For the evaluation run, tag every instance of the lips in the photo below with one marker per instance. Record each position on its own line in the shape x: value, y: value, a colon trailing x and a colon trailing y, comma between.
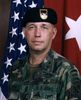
x: 37, y: 42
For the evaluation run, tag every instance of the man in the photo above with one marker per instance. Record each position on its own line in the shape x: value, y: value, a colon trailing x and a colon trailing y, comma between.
x: 43, y: 74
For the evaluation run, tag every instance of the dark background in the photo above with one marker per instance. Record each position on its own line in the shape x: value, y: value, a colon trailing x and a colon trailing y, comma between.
x: 5, y: 6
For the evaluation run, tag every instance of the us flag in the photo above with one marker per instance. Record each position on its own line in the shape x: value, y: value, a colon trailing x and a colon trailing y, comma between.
x: 16, y: 46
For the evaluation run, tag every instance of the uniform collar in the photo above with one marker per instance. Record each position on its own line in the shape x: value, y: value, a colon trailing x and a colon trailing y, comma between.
x: 48, y: 64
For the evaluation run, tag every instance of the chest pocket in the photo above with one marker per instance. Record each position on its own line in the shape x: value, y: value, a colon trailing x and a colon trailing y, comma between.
x: 43, y: 92
x: 38, y: 92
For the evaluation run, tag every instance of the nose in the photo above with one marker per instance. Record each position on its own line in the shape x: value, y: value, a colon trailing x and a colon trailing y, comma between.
x: 38, y: 32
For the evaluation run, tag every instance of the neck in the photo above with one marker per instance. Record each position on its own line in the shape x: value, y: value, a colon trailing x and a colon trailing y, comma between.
x: 37, y: 57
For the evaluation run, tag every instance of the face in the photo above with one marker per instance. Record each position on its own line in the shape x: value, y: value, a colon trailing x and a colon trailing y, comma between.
x: 39, y: 35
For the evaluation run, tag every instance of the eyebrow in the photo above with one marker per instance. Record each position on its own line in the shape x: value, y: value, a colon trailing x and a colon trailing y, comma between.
x: 44, y: 24
x: 30, y: 25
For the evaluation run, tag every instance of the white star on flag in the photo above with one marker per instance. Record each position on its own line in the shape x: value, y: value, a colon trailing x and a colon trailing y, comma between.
x: 11, y: 47
x: 25, y: 3
x: 16, y: 45
x: 5, y: 78
x: 15, y: 16
x: 13, y: 32
x: 8, y: 62
x: 75, y: 30
x: 33, y: 5
x: 17, y: 2
x: 22, y: 48
x: 22, y: 34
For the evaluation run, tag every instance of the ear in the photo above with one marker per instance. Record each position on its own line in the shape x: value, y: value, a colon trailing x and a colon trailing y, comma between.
x: 23, y: 30
x: 54, y: 32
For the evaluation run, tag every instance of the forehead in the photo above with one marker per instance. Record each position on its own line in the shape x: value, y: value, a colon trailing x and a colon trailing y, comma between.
x: 39, y: 23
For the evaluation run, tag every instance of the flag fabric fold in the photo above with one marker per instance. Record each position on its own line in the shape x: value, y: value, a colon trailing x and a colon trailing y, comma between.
x: 68, y: 39
x: 16, y: 45
x: 72, y: 26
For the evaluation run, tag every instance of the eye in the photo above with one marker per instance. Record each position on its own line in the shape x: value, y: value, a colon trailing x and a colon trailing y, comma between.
x: 31, y: 27
x: 44, y: 27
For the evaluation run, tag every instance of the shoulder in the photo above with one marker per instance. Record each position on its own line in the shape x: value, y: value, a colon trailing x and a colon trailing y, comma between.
x: 19, y: 63
x: 69, y: 73
x: 18, y: 70
x: 61, y: 60
x: 64, y: 65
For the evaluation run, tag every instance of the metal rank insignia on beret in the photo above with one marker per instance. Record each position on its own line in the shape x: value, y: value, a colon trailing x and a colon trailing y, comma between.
x: 43, y: 14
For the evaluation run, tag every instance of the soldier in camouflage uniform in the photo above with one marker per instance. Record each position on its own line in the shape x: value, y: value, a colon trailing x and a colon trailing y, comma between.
x: 43, y: 74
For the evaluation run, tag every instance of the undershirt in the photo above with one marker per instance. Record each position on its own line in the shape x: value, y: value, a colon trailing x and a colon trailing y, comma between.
x: 32, y: 67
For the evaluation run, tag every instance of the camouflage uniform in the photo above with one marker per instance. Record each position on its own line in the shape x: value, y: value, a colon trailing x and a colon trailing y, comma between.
x: 55, y: 78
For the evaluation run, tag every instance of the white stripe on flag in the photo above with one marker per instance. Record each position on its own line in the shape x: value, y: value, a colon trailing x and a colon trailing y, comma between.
x: 2, y: 97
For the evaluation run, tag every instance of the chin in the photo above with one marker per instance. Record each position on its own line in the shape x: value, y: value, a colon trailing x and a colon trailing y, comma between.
x: 37, y: 49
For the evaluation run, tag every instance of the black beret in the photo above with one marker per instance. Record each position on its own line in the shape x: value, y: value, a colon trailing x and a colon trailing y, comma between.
x: 40, y: 15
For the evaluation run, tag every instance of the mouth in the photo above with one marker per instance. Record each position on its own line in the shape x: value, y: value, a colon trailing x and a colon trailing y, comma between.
x: 37, y: 42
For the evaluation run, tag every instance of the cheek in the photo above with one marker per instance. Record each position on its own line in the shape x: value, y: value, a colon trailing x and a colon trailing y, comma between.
x: 48, y: 39
x: 49, y: 36
x: 27, y: 36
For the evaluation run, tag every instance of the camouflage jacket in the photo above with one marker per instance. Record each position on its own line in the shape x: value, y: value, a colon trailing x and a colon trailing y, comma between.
x: 56, y: 78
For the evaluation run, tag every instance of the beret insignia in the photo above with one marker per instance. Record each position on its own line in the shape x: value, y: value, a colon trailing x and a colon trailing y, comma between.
x: 43, y: 14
